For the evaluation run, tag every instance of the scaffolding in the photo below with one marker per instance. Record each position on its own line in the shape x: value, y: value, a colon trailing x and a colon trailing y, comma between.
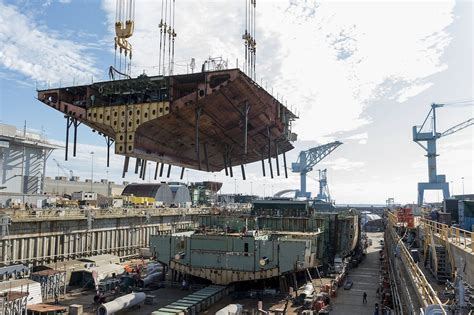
x: 13, y: 303
x: 53, y: 283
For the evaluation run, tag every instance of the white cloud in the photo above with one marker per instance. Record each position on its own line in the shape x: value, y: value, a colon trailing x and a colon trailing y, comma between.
x: 361, y: 138
x: 343, y: 164
x: 412, y: 90
x: 38, y: 53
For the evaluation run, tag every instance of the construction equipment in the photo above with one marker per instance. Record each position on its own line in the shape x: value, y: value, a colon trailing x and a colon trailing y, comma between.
x: 307, y: 160
x: 435, y: 181
x: 323, y: 194
x: 69, y: 173
x: 124, y: 27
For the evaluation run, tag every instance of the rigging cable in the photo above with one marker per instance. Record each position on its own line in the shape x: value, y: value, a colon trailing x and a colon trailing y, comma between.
x: 161, y: 37
x: 173, y: 35
x: 164, y: 36
x: 169, y: 42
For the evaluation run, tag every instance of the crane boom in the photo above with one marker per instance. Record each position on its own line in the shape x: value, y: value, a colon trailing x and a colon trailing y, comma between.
x: 69, y: 174
x: 458, y: 127
x: 307, y: 160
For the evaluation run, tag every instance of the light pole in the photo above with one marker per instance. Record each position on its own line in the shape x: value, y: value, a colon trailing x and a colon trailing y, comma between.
x: 462, y: 185
x: 92, y: 169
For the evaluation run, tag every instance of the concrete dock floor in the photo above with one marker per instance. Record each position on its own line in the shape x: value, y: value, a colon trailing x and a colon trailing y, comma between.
x: 366, y: 278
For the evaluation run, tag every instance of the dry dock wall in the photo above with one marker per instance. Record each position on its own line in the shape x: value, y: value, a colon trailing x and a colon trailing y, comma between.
x: 45, y: 239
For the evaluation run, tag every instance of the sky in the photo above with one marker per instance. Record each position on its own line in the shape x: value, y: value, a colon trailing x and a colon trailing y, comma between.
x: 362, y: 73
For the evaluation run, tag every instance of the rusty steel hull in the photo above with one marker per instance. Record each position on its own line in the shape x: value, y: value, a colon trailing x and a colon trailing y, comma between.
x: 233, y: 120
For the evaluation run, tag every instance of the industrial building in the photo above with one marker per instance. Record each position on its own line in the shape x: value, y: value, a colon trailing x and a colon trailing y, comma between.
x: 23, y: 156
x: 62, y: 185
x: 172, y: 193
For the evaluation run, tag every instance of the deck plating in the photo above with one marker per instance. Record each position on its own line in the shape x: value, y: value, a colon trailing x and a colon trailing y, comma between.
x: 208, y: 121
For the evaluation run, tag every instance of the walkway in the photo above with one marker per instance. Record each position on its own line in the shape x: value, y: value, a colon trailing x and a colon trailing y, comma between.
x: 366, y: 278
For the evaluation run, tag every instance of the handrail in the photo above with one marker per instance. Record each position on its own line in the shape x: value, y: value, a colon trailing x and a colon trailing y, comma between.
x: 449, y: 235
x: 428, y: 294
x: 452, y: 234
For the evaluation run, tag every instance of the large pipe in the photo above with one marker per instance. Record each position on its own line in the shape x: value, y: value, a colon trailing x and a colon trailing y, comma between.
x: 149, y: 279
x: 121, y: 303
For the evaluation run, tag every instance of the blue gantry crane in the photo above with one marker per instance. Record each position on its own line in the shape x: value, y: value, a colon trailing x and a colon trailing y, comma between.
x: 435, y: 180
x: 323, y: 193
x: 307, y: 160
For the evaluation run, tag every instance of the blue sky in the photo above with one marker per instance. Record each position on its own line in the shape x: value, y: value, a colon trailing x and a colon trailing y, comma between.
x: 359, y: 72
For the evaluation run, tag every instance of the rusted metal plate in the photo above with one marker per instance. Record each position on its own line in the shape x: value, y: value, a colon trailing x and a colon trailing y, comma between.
x: 162, y: 118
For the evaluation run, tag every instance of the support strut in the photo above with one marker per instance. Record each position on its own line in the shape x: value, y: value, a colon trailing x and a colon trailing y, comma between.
x: 246, y: 125
x: 144, y: 163
x: 284, y: 164
x: 263, y: 165
x: 156, y: 169
x: 182, y: 173
x: 205, y: 156
x: 270, y: 151
x: 137, y: 165
x: 162, y: 166
x: 76, y: 124
x: 276, y: 158
x: 169, y: 171
x: 69, y: 122
x: 242, y: 167
x: 196, y: 145
x: 225, y: 164
x: 109, y: 141
x: 125, y: 166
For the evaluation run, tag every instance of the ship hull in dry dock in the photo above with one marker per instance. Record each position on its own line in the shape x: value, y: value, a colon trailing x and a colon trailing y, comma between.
x: 234, y: 249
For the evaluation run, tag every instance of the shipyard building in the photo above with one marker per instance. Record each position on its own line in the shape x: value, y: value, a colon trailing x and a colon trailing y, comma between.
x: 23, y: 156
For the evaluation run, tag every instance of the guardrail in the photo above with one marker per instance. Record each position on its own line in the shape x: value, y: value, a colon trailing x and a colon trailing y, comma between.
x: 457, y: 236
x: 427, y: 293
x: 98, y: 213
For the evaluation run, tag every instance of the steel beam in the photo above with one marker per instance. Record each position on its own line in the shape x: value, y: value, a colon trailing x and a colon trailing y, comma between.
x: 205, y: 156
x: 125, y: 166
x: 69, y: 122
x: 196, y: 144
x: 246, y: 125
x: 137, y: 165
x: 156, y: 169
x: 225, y: 164
x: 161, y: 168
x: 276, y: 158
x: 242, y: 167
x: 76, y: 124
